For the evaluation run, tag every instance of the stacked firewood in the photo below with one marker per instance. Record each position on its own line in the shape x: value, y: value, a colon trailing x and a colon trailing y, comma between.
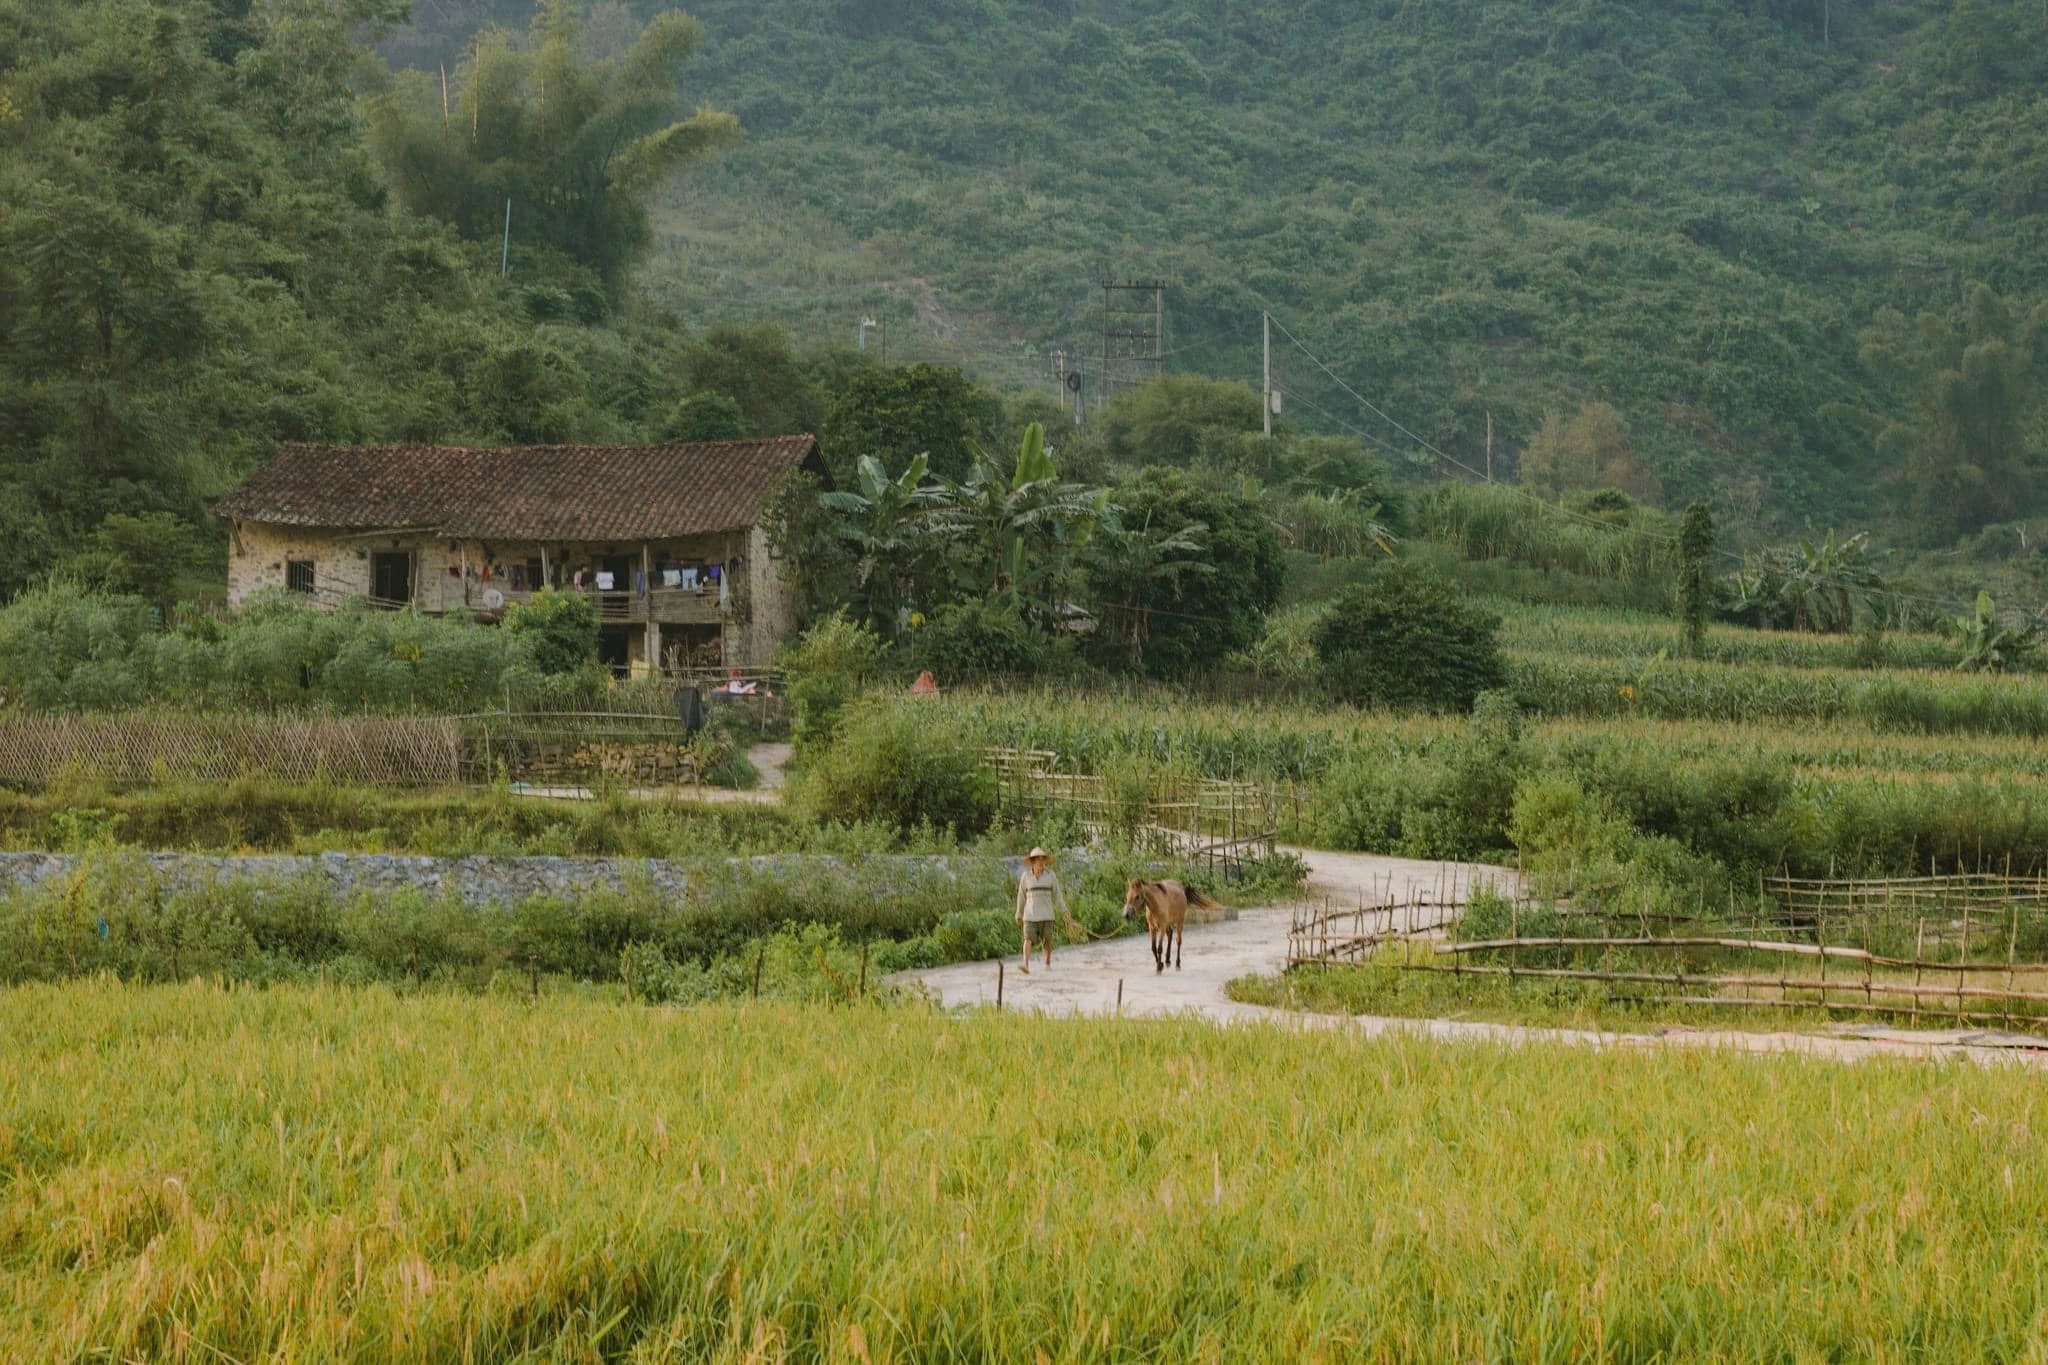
x: 645, y: 762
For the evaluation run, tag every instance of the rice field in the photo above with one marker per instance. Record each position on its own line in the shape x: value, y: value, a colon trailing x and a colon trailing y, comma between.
x: 196, y: 1174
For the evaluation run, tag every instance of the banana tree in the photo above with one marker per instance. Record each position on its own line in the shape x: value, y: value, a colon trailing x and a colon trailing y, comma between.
x: 1818, y: 586
x: 889, y: 526
x: 1020, y: 528
x: 1991, y: 646
x: 1149, y: 564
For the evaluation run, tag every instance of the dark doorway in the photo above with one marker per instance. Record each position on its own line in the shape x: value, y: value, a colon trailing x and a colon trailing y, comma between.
x: 391, y: 576
x: 615, y: 648
x: 617, y: 605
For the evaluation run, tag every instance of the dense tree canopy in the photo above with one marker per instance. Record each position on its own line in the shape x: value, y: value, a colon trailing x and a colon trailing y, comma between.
x: 1406, y: 638
x: 1724, y: 243
x: 895, y: 414
x: 1684, y: 210
x: 199, y: 259
x: 535, y: 130
x: 1968, y: 449
x: 1190, y: 577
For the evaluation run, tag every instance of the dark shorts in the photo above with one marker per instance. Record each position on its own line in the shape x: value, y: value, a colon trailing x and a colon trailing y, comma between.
x: 1038, y: 931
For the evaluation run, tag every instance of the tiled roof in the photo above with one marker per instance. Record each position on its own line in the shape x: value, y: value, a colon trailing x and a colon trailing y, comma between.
x: 522, y: 492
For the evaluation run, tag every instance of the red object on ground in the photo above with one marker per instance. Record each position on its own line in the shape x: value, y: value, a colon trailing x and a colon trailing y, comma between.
x: 925, y: 686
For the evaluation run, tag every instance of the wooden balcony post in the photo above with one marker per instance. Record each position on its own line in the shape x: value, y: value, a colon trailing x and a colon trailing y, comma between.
x: 651, y: 643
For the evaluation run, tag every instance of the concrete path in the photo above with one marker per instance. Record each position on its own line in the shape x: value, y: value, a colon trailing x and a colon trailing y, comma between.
x: 1086, y: 978
x: 770, y: 760
x: 1117, y: 975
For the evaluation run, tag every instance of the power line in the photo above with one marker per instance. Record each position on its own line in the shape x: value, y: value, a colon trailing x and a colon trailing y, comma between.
x: 1888, y: 594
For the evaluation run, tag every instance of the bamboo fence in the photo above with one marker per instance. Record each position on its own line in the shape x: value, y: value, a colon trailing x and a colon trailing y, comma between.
x: 155, y: 748
x: 1216, y: 822
x: 1976, y: 957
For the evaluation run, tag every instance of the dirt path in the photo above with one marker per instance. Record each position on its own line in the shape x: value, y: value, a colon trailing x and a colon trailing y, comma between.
x: 770, y: 760
x: 1117, y: 976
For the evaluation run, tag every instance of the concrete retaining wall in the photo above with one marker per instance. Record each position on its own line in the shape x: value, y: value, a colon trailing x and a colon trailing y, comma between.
x: 477, y: 881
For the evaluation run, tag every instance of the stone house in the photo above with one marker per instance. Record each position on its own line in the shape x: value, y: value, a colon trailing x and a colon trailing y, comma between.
x: 665, y: 540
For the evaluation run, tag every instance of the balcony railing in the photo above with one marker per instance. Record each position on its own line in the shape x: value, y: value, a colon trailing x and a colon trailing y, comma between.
x: 664, y: 606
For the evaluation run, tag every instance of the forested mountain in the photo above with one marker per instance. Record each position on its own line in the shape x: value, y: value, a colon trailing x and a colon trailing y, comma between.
x: 1691, y: 210
x: 1693, y: 247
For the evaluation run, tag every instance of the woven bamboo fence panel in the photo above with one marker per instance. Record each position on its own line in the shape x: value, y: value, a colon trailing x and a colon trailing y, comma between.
x: 401, y: 751
x: 1968, y: 950
x: 1201, y: 820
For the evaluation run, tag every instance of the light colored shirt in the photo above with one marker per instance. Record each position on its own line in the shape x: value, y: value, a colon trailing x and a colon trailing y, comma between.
x: 1037, y: 894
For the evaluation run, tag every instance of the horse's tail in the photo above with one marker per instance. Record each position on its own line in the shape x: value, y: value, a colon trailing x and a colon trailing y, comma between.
x: 1202, y: 902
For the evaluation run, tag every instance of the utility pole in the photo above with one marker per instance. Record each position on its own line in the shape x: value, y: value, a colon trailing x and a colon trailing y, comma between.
x: 1266, y: 388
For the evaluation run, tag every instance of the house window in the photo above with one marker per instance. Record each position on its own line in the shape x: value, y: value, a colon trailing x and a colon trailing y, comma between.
x: 298, y: 575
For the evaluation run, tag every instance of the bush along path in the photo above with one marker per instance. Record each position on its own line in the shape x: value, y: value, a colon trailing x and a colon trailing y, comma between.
x: 1117, y: 977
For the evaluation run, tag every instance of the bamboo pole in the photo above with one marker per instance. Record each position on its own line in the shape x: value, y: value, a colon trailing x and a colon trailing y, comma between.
x: 1678, y: 977
x: 1817, y: 951
x: 1962, y: 959
x: 2012, y: 943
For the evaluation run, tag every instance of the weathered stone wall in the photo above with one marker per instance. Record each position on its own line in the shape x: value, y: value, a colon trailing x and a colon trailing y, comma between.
x: 257, y: 555
x: 774, y: 617
x: 476, y: 881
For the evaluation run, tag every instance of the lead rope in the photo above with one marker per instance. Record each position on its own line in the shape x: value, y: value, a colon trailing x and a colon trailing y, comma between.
x: 1086, y: 933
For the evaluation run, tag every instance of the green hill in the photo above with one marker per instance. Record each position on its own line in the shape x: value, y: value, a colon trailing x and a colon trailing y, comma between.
x: 1687, y: 209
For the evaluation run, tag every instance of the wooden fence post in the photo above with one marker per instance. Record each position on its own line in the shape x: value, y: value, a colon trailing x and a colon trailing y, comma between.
x: 1962, y: 956
x: 1919, y: 942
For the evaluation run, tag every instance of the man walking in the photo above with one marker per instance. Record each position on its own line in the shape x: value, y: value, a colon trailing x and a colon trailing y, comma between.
x: 1039, y: 898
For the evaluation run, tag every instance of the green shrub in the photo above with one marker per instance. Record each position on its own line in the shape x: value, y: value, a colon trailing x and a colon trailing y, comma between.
x: 979, y: 639
x: 559, y: 630
x: 1286, y: 648
x: 891, y: 765
x: 1405, y: 638
x: 826, y: 669
x: 975, y: 936
x: 1560, y: 829
x: 66, y: 650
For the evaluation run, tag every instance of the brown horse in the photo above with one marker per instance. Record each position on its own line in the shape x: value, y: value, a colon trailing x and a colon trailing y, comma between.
x: 1166, y: 916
